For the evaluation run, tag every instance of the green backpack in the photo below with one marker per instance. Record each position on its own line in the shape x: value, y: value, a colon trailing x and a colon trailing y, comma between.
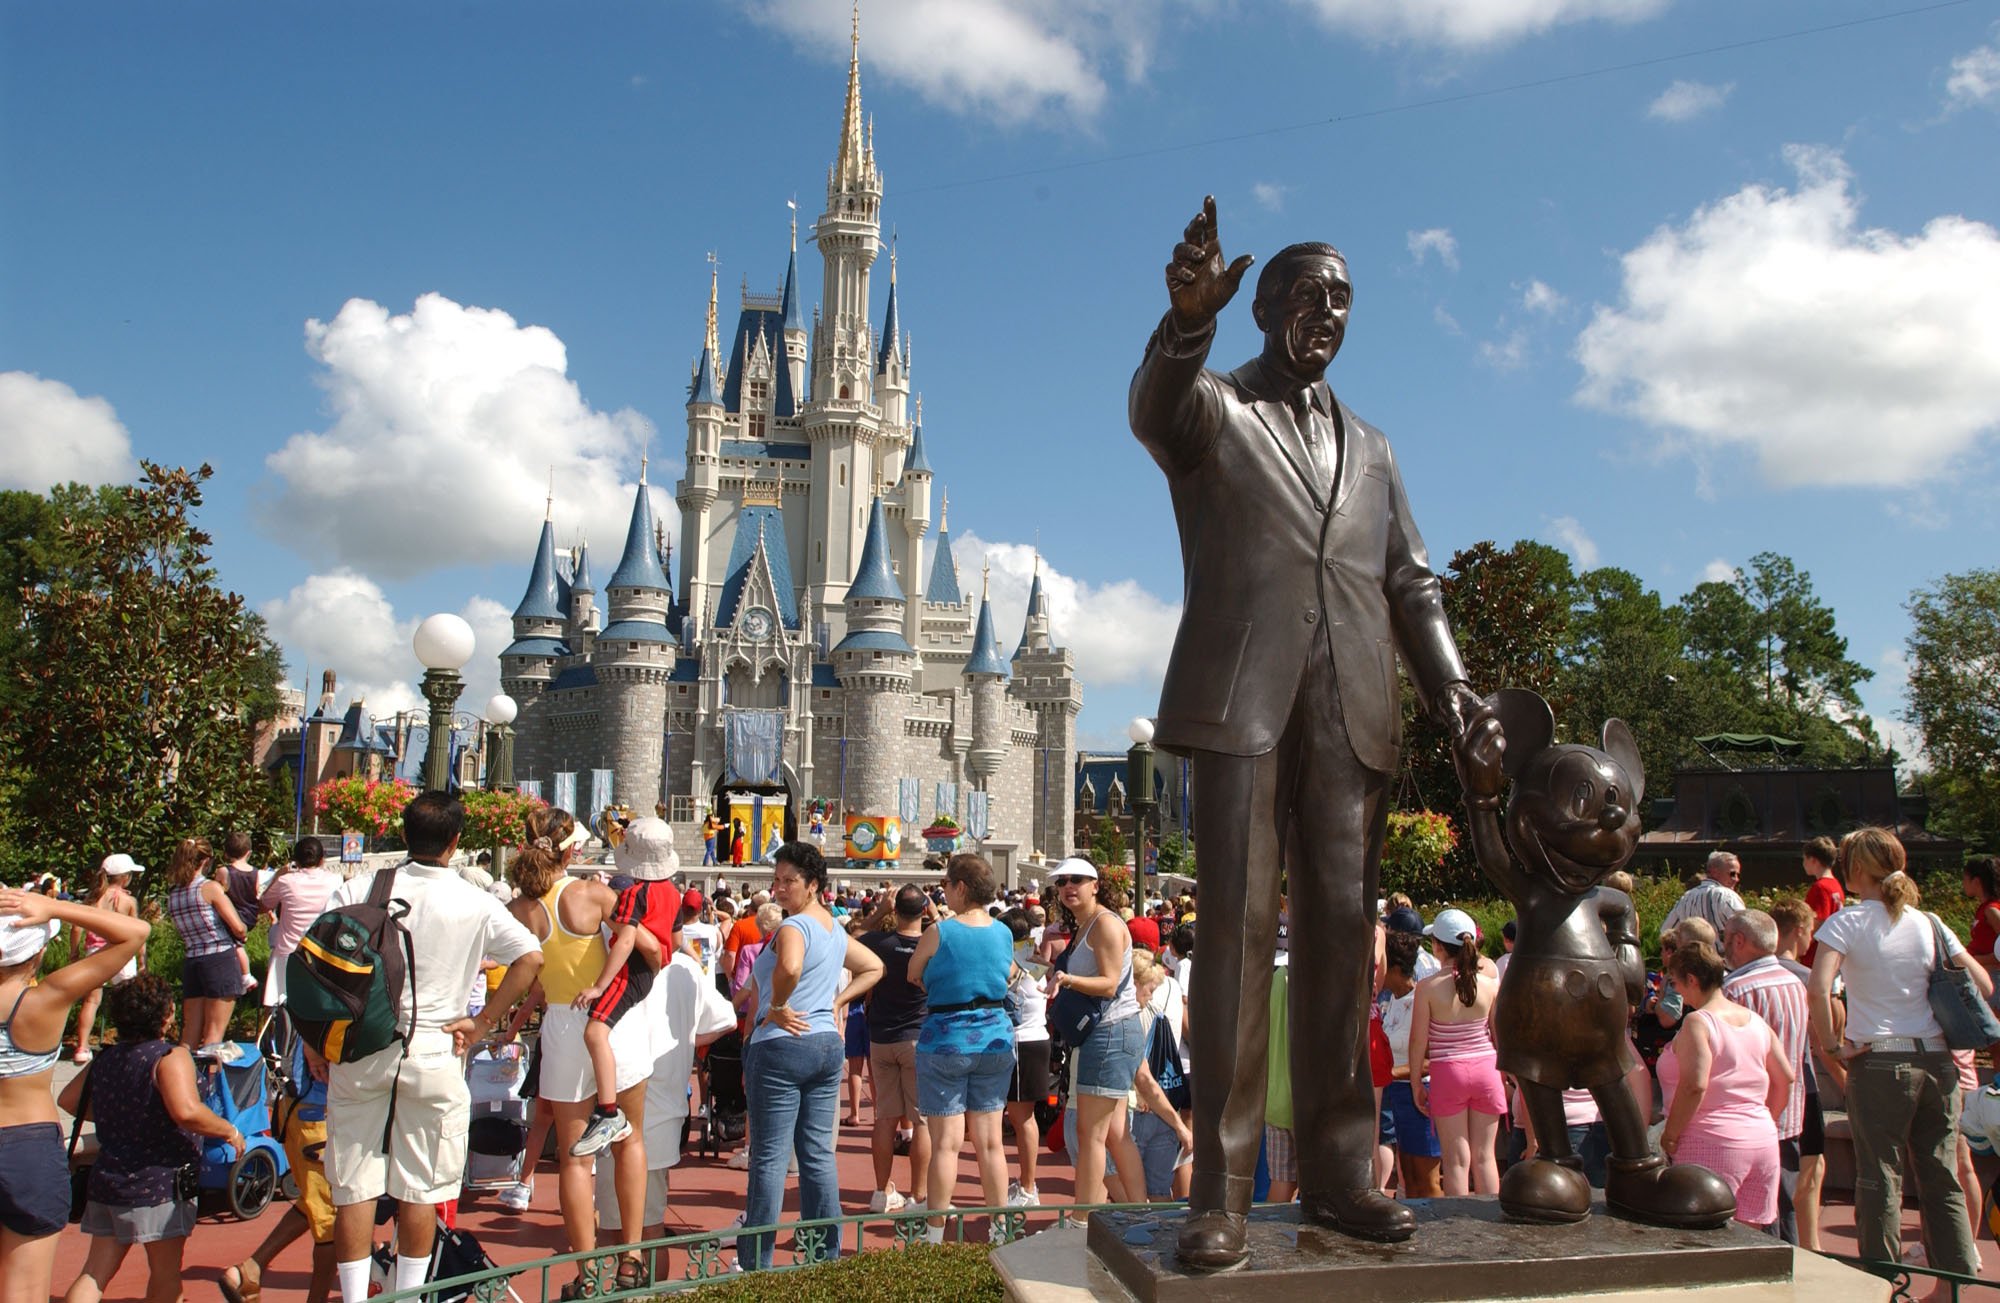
x: 345, y: 984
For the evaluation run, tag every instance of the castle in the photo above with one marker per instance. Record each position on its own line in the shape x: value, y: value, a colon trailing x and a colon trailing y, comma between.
x: 808, y: 657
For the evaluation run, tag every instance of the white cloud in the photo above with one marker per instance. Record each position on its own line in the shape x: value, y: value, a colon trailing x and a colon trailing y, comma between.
x: 1269, y: 195
x: 1539, y: 297
x: 50, y: 434
x: 1445, y: 319
x: 1469, y: 24
x: 1685, y: 100
x: 1775, y: 323
x: 1718, y: 571
x: 1569, y: 532
x: 1435, y: 240
x: 1119, y: 632
x: 1508, y: 353
x: 446, y: 422
x: 1975, y: 78
x: 342, y: 621
x: 1008, y: 60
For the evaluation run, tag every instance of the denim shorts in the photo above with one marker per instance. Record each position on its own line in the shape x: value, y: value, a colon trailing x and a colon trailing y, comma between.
x: 1414, y: 1136
x: 34, y: 1179
x: 1159, y: 1153
x: 1109, y: 1060
x: 951, y: 1084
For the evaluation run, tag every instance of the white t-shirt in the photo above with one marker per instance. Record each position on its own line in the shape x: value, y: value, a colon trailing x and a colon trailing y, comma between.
x: 1183, y: 971
x: 706, y: 938
x: 1887, y: 966
x: 1398, y: 1015
x: 1427, y: 963
x: 1170, y: 1001
x: 453, y: 925
x: 686, y: 1007
x: 1034, y: 1024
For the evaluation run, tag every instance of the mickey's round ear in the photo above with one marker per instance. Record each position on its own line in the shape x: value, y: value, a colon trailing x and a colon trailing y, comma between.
x: 1620, y: 745
x: 1526, y: 722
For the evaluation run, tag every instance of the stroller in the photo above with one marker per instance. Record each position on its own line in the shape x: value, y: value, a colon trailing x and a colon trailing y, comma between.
x: 725, y: 1114
x: 453, y: 1253
x: 235, y: 1085
x: 497, y: 1137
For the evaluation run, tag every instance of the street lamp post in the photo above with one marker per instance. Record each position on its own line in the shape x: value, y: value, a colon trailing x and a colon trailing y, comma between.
x: 1139, y: 788
x: 500, y: 713
x: 443, y: 644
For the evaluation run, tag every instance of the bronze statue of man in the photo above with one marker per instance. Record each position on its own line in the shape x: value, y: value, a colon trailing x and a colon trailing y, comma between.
x: 1304, y: 580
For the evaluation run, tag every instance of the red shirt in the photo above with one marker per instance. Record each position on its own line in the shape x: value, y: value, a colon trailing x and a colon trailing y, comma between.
x: 1145, y: 932
x: 1824, y: 898
x: 1381, y: 1057
x: 653, y: 905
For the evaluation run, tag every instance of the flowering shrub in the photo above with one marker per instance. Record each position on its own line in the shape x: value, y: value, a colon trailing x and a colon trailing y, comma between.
x: 364, y: 805
x: 496, y: 819
x: 1413, y: 853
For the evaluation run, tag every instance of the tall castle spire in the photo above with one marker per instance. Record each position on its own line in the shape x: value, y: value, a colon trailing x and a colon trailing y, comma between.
x: 853, y: 163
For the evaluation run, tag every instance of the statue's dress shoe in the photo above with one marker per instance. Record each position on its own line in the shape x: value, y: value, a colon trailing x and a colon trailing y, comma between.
x: 1680, y: 1195
x: 1540, y: 1190
x: 1213, y: 1241
x: 1365, y: 1214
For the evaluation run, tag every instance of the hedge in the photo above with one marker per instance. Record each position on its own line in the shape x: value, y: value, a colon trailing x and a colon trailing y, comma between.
x: 920, y: 1273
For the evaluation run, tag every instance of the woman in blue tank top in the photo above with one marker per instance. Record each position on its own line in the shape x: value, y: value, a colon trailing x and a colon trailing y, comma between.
x: 793, y: 1060
x: 965, y: 1052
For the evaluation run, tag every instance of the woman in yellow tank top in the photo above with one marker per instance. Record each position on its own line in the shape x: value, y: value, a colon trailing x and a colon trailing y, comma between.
x: 569, y: 915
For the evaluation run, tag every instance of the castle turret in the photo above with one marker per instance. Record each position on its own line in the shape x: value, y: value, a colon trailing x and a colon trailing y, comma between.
x: 634, y: 655
x: 892, y: 373
x: 986, y: 680
x: 874, y: 663
x: 797, y: 354
x: 1045, y: 682
x: 702, y: 484
x: 527, y: 664
x: 583, y: 619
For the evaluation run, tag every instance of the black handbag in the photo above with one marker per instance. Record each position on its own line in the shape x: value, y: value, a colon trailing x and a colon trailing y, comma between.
x: 1967, y: 1021
x: 1073, y: 1016
x: 79, y: 1177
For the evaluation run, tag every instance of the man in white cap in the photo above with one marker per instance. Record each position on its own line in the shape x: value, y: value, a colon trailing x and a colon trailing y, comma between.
x: 683, y: 1010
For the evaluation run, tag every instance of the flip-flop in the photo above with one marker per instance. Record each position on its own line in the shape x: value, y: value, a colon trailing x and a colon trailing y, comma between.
x: 243, y: 1291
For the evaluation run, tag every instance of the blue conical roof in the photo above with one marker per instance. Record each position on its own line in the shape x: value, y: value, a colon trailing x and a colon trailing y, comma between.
x: 543, y: 600
x: 1034, y: 602
x: 789, y: 307
x: 944, y: 574
x: 580, y: 581
x: 892, y: 338
x: 916, y: 460
x: 639, y: 567
x: 985, y: 646
x: 874, y: 577
x: 703, y: 388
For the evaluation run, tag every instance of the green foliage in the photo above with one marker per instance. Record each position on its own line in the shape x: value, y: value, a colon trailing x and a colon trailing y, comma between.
x: 1415, y: 851
x: 1176, y: 854
x: 496, y: 819
x: 1107, y: 843
x: 921, y: 1273
x: 135, y: 684
x: 368, y: 805
x: 1954, y: 700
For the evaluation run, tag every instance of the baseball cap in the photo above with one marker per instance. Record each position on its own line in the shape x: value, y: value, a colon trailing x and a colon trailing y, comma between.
x: 692, y: 899
x: 1450, y: 925
x: 23, y: 941
x: 1404, y: 919
x: 118, y: 865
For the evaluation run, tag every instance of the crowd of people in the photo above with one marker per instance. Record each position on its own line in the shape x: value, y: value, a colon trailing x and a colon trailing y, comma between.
x: 963, y: 1012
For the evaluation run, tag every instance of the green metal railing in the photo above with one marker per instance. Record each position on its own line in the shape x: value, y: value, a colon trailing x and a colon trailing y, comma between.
x: 1903, y: 1276
x: 705, y: 1259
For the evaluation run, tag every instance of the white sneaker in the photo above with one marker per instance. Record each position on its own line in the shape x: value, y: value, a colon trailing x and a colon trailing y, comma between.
x: 517, y: 1197
x: 603, y: 1131
x: 933, y: 1234
x: 740, y: 1160
x: 915, y: 1206
x: 1018, y: 1197
x: 886, y: 1201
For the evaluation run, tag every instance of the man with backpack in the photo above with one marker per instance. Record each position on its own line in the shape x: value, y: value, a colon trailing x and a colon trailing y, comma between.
x: 396, y: 1117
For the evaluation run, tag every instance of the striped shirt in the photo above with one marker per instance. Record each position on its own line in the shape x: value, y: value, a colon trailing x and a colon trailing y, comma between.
x: 1765, y: 987
x: 1707, y: 899
x: 198, y: 922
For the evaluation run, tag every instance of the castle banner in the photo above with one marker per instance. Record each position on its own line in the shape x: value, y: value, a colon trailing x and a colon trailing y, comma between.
x: 753, y: 747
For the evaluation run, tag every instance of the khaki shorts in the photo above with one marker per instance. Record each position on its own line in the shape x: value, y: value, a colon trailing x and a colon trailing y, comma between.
x: 305, y: 1147
x: 425, y: 1158
x: 895, y: 1066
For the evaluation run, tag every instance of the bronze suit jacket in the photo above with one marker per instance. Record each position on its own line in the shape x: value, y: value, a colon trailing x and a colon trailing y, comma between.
x: 1271, y: 560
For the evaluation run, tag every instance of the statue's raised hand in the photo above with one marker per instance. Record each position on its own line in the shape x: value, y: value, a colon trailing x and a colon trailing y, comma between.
x: 1199, y: 282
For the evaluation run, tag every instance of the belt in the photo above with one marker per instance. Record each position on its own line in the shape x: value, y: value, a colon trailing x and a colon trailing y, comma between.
x: 1906, y: 1045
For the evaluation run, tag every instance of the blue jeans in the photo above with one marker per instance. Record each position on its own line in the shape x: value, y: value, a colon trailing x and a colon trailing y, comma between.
x: 793, y: 1083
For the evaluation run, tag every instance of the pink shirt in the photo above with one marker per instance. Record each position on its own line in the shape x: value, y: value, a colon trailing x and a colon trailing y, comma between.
x: 297, y: 897
x: 1733, y: 1110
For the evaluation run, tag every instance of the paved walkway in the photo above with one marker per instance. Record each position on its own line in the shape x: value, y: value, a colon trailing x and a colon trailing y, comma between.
x: 706, y: 1196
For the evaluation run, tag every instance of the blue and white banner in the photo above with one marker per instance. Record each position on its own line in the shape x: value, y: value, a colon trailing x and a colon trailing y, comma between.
x: 530, y: 787
x: 947, y: 799
x: 600, y: 789
x: 910, y: 800
x: 565, y: 797
x: 753, y: 747
x: 976, y: 814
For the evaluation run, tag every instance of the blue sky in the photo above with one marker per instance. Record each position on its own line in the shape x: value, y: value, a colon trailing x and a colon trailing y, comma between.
x: 382, y: 265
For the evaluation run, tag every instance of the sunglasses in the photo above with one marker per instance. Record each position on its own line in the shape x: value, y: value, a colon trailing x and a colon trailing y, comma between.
x: 1068, y: 882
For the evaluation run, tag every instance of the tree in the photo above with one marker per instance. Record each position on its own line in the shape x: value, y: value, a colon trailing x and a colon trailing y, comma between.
x: 1176, y: 854
x: 1107, y: 843
x: 135, y: 695
x: 1954, y: 699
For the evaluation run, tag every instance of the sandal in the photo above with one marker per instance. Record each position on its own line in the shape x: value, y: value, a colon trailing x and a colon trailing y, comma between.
x: 576, y: 1289
x: 249, y: 1283
x: 632, y: 1272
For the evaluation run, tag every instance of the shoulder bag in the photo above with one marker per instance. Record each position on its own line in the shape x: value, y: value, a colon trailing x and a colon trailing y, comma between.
x: 1072, y: 1015
x: 1962, y: 1013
